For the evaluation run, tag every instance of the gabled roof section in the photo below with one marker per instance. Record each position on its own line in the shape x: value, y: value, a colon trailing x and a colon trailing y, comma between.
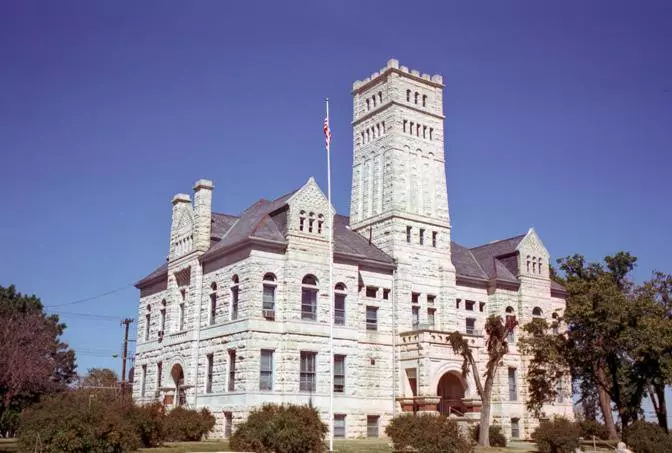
x: 221, y: 223
x: 465, y: 263
x: 354, y: 244
x: 487, y: 256
x: 159, y: 272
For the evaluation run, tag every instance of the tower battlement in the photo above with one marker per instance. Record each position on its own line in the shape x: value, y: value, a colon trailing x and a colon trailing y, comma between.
x: 393, y: 66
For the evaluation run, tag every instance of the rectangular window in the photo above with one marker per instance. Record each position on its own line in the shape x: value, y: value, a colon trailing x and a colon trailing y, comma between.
x: 431, y: 299
x: 213, y: 308
x: 228, y: 425
x: 181, y: 326
x: 339, y: 309
x: 208, y: 379
x: 560, y: 397
x: 470, y: 326
x: 372, y: 425
x: 307, y: 375
x: 234, y: 303
x: 371, y: 291
x: 422, y: 236
x: 371, y: 318
x: 144, y: 381
x: 481, y: 306
x: 269, y: 297
x: 435, y: 236
x: 339, y: 426
x: 266, y: 370
x: 159, y: 375
x: 147, y: 325
x: 415, y: 317
x: 412, y: 376
x: 232, y: 370
x: 469, y: 305
x: 339, y: 373
x: 515, y: 428
x: 309, y: 304
x: 457, y: 303
x: 430, y: 317
x: 415, y: 298
x: 513, y: 390
x: 386, y: 294
x: 408, y: 233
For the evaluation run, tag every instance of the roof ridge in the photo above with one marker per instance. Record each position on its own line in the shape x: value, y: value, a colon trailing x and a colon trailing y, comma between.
x: 498, y: 241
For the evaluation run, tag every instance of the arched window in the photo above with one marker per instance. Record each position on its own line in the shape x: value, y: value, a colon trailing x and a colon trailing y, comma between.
x: 339, y: 304
x: 320, y: 223
x: 510, y: 317
x: 534, y: 265
x: 182, y: 310
x: 431, y: 132
x: 404, y: 125
x: 302, y: 218
x: 424, y: 100
x: 408, y: 95
x: 539, y: 266
x: 213, y: 303
x: 162, y: 324
x: 536, y: 312
x: 417, y: 131
x: 383, y: 123
x: 380, y: 97
x: 374, y: 101
x: 424, y: 131
x: 235, y: 294
x: 528, y: 264
x: 309, y: 298
x: 416, y: 97
x: 311, y: 221
x: 148, y: 321
x: 509, y: 309
x: 269, y: 295
x: 368, y: 106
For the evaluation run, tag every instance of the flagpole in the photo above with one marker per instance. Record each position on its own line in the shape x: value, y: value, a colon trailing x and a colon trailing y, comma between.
x: 331, y: 291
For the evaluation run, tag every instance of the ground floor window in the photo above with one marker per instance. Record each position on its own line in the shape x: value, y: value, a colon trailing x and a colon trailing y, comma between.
x: 515, y: 428
x: 228, y: 424
x: 339, y: 425
x: 372, y: 425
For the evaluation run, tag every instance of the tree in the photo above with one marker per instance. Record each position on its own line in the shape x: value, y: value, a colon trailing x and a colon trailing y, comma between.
x: 617, y: 342
x: 497, y: 346
x: 101, y: 378
x: 33, y: 359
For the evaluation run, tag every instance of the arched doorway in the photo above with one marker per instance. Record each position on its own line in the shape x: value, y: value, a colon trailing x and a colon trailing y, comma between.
x: 177, y: 373
x: 451, y: 391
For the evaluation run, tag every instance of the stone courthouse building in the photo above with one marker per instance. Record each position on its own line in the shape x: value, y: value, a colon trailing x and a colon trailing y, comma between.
x: 239, y: 315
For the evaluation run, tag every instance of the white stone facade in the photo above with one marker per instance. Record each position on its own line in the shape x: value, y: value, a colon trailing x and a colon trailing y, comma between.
x: 403, y: 284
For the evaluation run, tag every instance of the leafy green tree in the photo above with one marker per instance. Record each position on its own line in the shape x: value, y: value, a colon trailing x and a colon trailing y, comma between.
x: 33, y: 359
x: 497, y: 346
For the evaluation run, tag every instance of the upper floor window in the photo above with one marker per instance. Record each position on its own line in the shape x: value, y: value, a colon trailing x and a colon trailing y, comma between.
x: 148, y: 322
x: 435, y: 236
x: 368, y: 105
x: 513, y: 390
x: 371, y: 318
x: 268, y: 302
x: 415, y: 317
x: 415, y: 298
x: 417, y: 95
x: 431, y: 317
x: 469, y: 305
x: 232, y: 370
x: 213, y: 303
x: 511, y: 338
x: 309, y: 298
x: 408, y: 95
x: 302, y: 220
x: 470, y: 326
x: 307, y: 381
x: 424, y: 100
x: 209, y: 373
x: 234, y: 297
x: 162, y: 324
x: 422, y: 236
x: 380, y: 97
x: 339, y: 373
x: 408, y: 233
x: 386, y: 293
x: 339, y: 304
x: 371, y: 291
x: 320, y: 223
x: 266, y: 370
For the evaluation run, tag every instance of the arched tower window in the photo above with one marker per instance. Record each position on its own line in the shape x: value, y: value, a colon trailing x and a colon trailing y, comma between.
x: 368, y: 105
x: 536, y: 312
x: 408, y: 95
x: 309, y: 290
x: 235, y: 294
x: 424, y: 100
x: 311, y: 221
x: 302, y: 219
x: 320, y: 223
x: 148, y: 321
x: 374, y: 101
x: 510, y: 318
x: 270, y: 283
x: 339, y: 304
x: 417, y: 95
x: 162, y: 324
x: 528, y: 264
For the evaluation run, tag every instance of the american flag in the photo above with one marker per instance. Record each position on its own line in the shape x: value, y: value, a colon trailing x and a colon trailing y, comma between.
x: 327, y: 132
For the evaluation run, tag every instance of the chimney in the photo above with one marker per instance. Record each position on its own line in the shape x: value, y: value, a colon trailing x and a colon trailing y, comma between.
x: 202, y: 214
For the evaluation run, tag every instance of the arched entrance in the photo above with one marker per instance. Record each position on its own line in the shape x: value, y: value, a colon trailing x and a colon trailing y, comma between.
x: 177, y: 373
x: 451, y: 391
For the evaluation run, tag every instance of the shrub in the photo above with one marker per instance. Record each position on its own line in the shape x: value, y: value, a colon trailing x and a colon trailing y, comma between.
x: 497, y: 437
x: 80, y: 421
x: 643, y: 437
x: 281, y: 429
x: 187, y: 424
x: 427, y: 434
x: 590, y: 428
x: 557, y: 436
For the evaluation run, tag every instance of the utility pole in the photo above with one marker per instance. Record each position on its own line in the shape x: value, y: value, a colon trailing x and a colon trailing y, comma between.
x: 126, y: 323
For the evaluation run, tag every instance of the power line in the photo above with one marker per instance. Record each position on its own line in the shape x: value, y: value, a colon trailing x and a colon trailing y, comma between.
x: 87, y: 299
x: 68, y: 314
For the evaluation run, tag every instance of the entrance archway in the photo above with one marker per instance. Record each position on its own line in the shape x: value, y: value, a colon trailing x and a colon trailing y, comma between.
x: 177, y: 373
x: 451, y: 391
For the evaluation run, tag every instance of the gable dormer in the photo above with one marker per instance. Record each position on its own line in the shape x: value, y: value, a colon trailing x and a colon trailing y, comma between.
x: 533, y: 257
x: 308, y: 212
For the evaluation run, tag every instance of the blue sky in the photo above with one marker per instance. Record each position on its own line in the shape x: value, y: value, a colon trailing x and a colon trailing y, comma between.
x: 558, y: 116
